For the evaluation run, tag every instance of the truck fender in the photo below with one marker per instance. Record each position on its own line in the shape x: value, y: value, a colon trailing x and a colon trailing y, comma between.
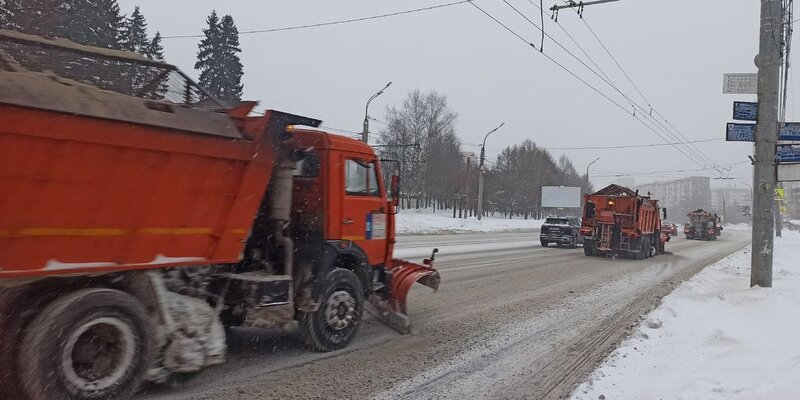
x: 343, y: 254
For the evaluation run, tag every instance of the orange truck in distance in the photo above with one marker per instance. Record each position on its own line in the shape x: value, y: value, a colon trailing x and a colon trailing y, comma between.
x: 139, y: 217
x: 619, y: 222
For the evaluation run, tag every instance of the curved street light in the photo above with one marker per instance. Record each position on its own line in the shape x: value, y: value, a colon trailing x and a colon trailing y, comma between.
x: 587, y: 171
x: 480, y: 171
x: 365, y: 132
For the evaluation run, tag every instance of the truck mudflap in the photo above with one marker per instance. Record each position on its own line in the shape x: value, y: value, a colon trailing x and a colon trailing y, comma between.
x: 393, y: 311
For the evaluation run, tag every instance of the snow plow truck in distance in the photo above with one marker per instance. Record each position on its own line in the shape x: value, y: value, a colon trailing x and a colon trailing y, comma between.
x: 140, y: 217
x: 619, y: 222
x: 702, y: 225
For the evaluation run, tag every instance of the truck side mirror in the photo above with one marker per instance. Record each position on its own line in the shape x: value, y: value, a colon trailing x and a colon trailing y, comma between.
x: 395, y: 190
x: 664, y: 211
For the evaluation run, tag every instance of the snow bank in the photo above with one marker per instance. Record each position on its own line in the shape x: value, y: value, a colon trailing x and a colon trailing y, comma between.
x: 410, y: 222
x: 742, y: 227
x: 713, y: 338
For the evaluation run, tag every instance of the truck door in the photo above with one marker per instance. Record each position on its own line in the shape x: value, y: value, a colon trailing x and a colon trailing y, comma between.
x: 364, y: 208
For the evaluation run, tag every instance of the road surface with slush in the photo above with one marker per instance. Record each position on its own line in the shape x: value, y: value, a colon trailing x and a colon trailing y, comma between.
x: 511, y: 320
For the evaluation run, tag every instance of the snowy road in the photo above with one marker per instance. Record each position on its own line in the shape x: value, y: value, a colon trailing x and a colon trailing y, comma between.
x: 512, y: 320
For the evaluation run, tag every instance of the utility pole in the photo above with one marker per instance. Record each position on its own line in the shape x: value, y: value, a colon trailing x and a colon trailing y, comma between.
x: 768, y: 62
x: 480, y: 171
x: 468, y: 208
x: 788, y: 18
x: 365, y: 132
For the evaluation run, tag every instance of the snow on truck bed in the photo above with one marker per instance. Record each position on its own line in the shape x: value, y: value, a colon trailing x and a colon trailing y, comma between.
x: 714, y: 338
x: 415, y: 222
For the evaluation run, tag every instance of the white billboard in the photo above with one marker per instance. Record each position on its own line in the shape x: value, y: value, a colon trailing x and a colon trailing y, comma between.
x: 788, y: 172
x: 561, y: 197
x: 740, y: 83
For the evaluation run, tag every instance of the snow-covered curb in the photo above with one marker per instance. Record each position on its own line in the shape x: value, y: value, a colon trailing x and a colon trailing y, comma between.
x: 713, y: 338
x: 411, y: 222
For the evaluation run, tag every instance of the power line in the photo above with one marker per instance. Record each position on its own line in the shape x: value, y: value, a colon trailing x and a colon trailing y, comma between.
x: 696, y: 154
x: 632, y: 146
x: 614, y: 174
x: 330, y: 23
x: 628, y: 146
x: 691, y: 157
x: 697, y: 151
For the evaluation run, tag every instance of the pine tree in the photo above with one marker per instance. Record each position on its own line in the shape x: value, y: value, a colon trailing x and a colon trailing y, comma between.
x: 231, y: 65
x: 134, y: 33
x: 208, y: 53
x: 154, y: 49
x: 9, y: 12
x: 94, y: 23
x: 37, y: 17
x: 218, y: 60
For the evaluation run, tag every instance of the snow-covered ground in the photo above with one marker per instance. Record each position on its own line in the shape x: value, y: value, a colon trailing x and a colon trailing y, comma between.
x: 410, y: 222
x: 714, y: 338
x: 737, y: 227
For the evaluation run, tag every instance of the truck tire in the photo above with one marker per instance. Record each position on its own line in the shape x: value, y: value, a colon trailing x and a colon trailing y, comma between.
x: 588, y: 247
x: 341, y: 305
x: 89, y: 344
x: 640, y: 255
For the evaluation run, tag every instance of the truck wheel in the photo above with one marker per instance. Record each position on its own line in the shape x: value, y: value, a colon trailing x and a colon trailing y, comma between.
x: 89, y: 344
x: 336, y: 322
x: 588, y: 248
x: 639, y: 255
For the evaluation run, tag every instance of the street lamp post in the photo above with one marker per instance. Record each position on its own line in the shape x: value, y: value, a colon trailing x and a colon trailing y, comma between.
x: 480, y: 171
x: 365, y: 132
x: 587, y: 172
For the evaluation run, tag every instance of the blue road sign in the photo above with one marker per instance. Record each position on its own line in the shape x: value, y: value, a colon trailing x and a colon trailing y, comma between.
x: 790, y: 131
x: 745, y: 111
x: 788, y: 154
x: 741, y: 133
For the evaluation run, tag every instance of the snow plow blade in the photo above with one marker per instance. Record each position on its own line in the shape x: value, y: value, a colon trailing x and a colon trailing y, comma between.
x: 393, y: 312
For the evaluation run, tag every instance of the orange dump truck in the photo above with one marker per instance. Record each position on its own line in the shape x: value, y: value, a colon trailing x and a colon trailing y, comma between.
x: 139, y: 217
x: 619, y: 222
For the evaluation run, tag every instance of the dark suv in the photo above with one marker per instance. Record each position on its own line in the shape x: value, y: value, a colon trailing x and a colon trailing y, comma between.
x: 563, y: 231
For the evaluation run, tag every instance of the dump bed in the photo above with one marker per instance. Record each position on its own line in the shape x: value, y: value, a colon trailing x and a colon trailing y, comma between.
x: 93, y: 180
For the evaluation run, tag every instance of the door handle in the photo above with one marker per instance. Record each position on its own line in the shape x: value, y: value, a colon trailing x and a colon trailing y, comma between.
x: 347, y: 221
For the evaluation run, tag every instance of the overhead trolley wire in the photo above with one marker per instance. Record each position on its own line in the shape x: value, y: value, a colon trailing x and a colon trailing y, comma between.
x: 574, y: 75
x: 696, y: 149
x: 697, y: 155
x: 329, y: 23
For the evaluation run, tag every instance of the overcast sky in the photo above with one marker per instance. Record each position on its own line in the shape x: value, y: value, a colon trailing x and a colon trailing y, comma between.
x: 674, y: 50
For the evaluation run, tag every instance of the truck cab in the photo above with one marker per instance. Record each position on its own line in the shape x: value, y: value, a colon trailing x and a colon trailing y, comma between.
x: 340, y: 195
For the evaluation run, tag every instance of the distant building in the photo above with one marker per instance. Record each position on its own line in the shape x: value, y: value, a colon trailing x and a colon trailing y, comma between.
x: 681, y: 196
x: 733, y: 205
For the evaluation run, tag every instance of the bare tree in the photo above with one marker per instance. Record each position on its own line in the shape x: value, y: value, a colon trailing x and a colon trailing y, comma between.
x: 421, y: 137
